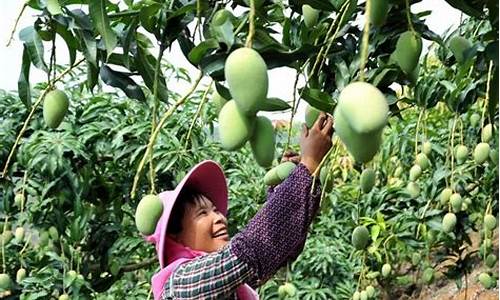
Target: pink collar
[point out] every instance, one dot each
(176, 255)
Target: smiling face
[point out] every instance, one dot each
(203, 227)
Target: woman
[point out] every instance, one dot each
(198, 260)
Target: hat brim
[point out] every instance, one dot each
(206, 178)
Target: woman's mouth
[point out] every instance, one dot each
(221, 234)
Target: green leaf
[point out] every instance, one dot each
(276, 57)
(23, 84)
(318, 99)
(70, 40)
(198, 52)
(213, 66)
(375, 231)
(123, 82)
(224, 33)
(223, 91)
(92, 76)
(89, 46)
(127, 40)
(145, 64)
(471, 10)
(54, 7)
(97, 9)
(274, 104)
(33, 43)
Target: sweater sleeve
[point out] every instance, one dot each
(278, 231)
(212, 276)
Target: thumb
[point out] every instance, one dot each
(305, 130)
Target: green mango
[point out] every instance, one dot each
(53, 233)
(20, 275)
(481, 153)
(271, 177)
(310, 15)
(461, 153)
(486, 281)
(246, 76)
(490, 222)
(263, 142)
(221, 16)
(235, 128)
(491, 260)
(474, 119)
(311, 115)
(5, 282)
(449, 222)
(386, 270)
(147, 214)
(494, 156)
(362, 147)
(360, 117)
(219, 101)
(279, 173)
(19, 234)
(456, 202)
(285, 169)
(415, 172)
(18, 199)
(363, 295)
(458, 46)
(487, 133)
(407, 52)
(360, 237)
(356, 295)
(63, 297)
(370, 291)
(413, 189)
(423, 161)
(55, 107)
(428, 275)
(367, 180)
(364, 107)
(427, 148)
(445, 195)
(378, 12)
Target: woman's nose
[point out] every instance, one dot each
(219, 217)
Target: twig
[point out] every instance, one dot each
(365, 41)
(198, 111)
(153, 118)
(487, 97)
(15, 24)
(408, 17)
(33, 108)
(154, 135)
(251, 29)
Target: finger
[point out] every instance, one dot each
(305, 131)
(328, 129)
(319, 122)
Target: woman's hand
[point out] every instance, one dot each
(316, 141)
(291, 156)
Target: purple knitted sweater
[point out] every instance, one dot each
(277, 233)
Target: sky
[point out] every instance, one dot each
(280, 79)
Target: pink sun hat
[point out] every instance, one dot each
(206, 178)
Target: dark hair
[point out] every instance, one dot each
(186, 196)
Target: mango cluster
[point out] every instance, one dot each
(360, 117)
(246, 76)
